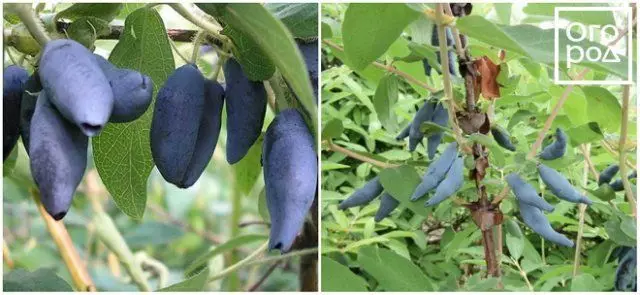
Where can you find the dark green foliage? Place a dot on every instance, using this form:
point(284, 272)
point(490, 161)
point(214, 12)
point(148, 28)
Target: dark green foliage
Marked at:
point(557, 148)
point(525, 193)
point(502, 138)
point(436, 172)
point(364, 195)
point(185, 125)
point(13, 79)
point(58, 157)
point(535, 219)
point(29, 98)
point(387, 205)
point(76, 85)
point(560, 186)
point(440, 117)
point(246, 106)
point(132, 91)
point(451, 183)
point(290, 176)
point(607, 174)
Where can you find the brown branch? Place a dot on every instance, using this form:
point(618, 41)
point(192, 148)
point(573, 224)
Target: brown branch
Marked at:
point(336, 148)
point(387, 68)
point(78, 270)
point(177, 35)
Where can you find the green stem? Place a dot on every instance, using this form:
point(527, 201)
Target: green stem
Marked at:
point(32, 22)
point(284, 256)
point(209, 27)
point(108, 233)
point(197, 42)
point(231, 269)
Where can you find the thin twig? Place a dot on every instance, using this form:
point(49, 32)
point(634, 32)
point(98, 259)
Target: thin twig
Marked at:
point(446, 77)
point(240, 263)
point(607, 146)
point(78, 270)
point(523, 274)
point(388, 68)
point(622, 150)
point(586, 150)
point(32, 22)
point(264, 277)
point(336, 148)
point(210, 27)
point(175, 48)
point(588, 163)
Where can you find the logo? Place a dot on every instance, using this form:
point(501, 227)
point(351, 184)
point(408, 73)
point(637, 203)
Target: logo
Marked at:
point(606, 47)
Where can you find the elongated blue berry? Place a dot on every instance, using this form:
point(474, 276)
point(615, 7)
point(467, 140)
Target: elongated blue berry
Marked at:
point(363, 195)
point(290, 176)
point(76, 85)
point(525, 193)
point(560, 186)
point(535, 219)
point(451, 183)
point(13, 79)
point(436, 172)
point(246, 106)
point(557, 148)
point(387, 205)
point(58, 157)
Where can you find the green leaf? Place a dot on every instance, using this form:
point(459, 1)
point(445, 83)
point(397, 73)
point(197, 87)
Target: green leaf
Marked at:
point(613, 229)
point(586, 282)
point(369, 29)
point(515, 246)
point(193, 284)
point(152, 234)
point(603, 107)
point(392, 271)
point(400, 182)
point(87, 29)
point(427, 52)
point(300, 18)
point(628, 227)
point(43, 280)
point(586, 133)
point(604, 192)
point(339, 278)
point(533, 42)
point(251, 57)
point(105, 11)
point(271, 35)
point(333, 129)
point(122, 152)
point(384, 99)
point(326, 31)
point(222, 248)
point(247, 170)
